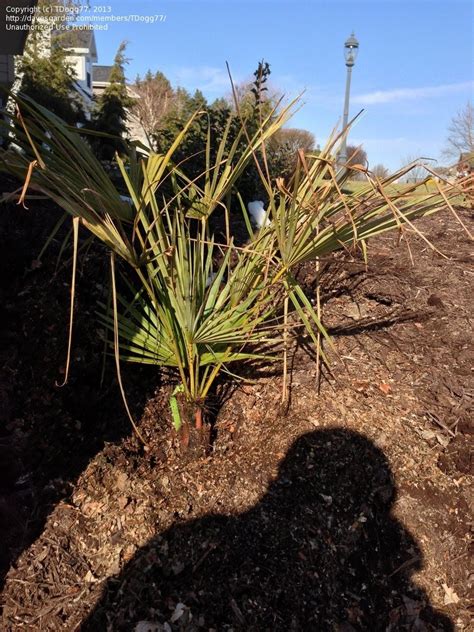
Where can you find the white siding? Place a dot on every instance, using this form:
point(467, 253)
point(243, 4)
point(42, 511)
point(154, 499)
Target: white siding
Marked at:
point(77, 64)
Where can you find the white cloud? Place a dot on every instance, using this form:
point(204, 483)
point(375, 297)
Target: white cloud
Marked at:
point(208, 79)
point(403, 94)
point(215, 81)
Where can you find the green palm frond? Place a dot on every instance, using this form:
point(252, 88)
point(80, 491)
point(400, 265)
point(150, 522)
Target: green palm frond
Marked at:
point(186, 301)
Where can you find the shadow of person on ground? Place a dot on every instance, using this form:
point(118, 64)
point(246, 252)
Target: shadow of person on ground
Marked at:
point(321, 551)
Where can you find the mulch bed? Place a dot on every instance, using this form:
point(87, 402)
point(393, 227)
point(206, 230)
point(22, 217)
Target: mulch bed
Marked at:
point(348, 510)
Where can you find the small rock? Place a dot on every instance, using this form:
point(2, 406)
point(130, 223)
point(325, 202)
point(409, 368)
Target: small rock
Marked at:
point(148, 626)
point(89, 578)
point(178, 612)
point(122, 482)
point(449, 595)
point(123, 502)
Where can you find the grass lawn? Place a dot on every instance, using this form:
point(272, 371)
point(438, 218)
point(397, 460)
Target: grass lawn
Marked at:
point(357, 187)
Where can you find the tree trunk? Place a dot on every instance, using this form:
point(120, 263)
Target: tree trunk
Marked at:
point(195, 433)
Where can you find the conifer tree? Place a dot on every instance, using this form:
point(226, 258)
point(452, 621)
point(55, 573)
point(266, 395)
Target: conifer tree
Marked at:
point(46, 75)
point(110, 114)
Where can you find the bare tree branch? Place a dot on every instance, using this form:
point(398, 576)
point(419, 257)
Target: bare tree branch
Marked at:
point(155, 97)
point(461, 133)
point(380, 171)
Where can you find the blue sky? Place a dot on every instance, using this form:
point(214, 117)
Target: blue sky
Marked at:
point(413, 73)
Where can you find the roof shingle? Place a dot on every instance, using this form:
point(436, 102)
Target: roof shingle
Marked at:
point(75, 38)
point(101, 74)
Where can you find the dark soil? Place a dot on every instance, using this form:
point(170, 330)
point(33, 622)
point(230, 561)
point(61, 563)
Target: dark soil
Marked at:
point(348, 510)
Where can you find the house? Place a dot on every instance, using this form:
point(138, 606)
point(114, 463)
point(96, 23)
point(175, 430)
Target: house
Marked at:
point(100, 78)
point(79, 44)
point(12, 41)
point(93, 78)
point(81, 50)
point(100, 81)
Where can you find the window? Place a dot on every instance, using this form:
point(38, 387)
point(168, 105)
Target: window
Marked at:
point(88, 79)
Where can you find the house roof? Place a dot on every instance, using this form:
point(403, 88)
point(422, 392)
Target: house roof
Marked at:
point(75, 38)
point(101, 74)
point(78, 39)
